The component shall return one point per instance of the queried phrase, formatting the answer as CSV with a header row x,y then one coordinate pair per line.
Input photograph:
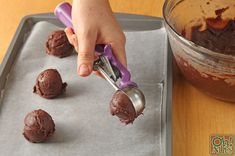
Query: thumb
x,y
86,55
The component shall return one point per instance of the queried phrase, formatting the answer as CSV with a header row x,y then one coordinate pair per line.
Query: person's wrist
x,y
99,2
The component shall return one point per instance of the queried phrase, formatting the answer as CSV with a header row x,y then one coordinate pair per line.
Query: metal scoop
x,y
108,65
112,70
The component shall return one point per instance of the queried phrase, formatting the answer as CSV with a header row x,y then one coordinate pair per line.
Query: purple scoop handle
x,y
125,74
63,13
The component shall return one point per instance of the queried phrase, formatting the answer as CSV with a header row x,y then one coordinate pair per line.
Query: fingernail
x,y
84,70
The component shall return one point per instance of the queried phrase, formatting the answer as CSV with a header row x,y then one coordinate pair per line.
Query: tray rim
x,y
7,63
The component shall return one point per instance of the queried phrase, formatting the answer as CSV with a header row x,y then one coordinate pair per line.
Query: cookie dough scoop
x,y
113,71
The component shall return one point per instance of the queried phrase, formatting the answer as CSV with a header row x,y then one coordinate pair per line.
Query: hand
x,y
94,23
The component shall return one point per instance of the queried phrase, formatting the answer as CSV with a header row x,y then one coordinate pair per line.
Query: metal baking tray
x,y
11,140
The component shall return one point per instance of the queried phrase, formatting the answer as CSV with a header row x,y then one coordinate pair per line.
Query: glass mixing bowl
x,y
212,72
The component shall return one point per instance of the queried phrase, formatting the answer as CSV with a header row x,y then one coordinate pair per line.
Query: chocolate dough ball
x,y
122,107
39,126
49,84
58,44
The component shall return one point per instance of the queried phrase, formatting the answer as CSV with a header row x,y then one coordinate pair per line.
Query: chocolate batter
x,y
58,44
218,35
122,107
39,126
49,84
222,88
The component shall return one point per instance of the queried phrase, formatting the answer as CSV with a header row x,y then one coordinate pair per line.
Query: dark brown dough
x,y
122,107
58,44
49,84
39,126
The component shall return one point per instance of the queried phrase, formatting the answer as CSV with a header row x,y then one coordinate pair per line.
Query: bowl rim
x,y
199,49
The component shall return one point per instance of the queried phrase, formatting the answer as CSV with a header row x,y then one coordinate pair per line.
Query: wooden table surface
x,y
195,116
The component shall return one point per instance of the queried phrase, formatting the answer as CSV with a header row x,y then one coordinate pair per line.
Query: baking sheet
x,y
84,125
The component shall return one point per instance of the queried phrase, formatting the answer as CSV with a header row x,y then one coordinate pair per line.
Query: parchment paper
x,y
84,126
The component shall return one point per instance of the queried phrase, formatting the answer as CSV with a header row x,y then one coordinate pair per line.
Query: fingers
x,y
86,53
86,56
75,42
69,32
72,37
119,52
